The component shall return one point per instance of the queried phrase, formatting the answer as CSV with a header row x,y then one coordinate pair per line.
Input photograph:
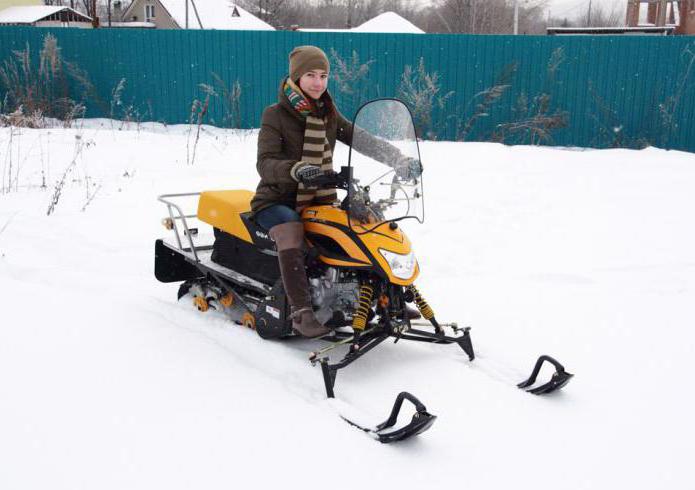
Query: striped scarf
x,y
316,150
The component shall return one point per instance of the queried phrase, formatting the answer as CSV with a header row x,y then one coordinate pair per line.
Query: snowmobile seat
x,y
223,209
240,244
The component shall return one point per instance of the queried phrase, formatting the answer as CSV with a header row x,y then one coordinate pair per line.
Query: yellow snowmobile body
x,y
327,230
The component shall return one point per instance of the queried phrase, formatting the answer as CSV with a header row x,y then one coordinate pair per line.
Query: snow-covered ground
x,y
107,382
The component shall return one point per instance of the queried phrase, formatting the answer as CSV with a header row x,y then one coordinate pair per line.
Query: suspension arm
x,y
464,341
330,371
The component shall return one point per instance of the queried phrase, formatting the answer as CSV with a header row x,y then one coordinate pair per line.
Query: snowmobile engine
x,y
335,294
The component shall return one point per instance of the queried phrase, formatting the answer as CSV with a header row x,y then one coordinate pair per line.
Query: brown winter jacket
x,y
280,144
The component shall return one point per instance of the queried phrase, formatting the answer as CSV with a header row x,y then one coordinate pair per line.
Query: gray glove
x,y
408,168
308,173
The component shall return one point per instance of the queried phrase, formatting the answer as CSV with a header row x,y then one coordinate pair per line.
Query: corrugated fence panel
x,y
613,90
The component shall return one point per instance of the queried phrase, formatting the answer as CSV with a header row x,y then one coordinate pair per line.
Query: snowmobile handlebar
x,y
333,180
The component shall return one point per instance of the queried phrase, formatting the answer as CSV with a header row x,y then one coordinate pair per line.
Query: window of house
x,y
149,13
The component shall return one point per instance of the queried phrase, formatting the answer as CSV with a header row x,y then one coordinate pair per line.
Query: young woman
x,y
295,145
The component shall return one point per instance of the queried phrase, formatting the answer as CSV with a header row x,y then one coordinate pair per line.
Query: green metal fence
x,y
598,91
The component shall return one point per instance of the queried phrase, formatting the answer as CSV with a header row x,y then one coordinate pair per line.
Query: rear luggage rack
x,y
166,199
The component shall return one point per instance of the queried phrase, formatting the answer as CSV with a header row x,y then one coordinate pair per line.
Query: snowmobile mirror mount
x,y
559,378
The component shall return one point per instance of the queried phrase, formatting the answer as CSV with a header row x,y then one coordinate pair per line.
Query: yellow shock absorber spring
x,y
422,305
359,321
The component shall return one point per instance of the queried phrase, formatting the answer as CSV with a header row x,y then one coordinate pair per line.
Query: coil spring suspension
x,y
359,321
422,305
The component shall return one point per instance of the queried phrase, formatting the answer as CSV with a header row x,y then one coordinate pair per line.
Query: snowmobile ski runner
x,y
360,265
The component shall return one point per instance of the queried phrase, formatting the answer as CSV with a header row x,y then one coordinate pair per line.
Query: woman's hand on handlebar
x,y
307,173
311,175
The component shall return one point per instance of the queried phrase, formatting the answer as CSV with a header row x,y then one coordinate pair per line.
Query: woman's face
x,y
314,83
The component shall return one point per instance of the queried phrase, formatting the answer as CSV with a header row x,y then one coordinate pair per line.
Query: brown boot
x,y
305,323
289,240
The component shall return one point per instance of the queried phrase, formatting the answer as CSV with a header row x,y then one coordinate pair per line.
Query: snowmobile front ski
x,y
359,345
559,378
421,421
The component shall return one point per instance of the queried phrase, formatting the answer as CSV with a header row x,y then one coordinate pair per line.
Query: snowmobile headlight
x,y
402,266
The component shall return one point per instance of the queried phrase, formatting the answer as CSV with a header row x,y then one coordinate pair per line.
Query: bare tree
x,y
603,16
269,11
338,14
486,16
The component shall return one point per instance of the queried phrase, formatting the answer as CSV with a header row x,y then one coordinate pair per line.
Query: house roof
x,y
214,14
389,22
30,14
386,22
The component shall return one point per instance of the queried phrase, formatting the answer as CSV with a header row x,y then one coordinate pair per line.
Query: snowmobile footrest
x,y
559,379
421,421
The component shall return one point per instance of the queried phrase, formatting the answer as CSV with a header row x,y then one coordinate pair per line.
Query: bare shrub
x,y
90,197
7,168
119,110
486,99
3,228
536,118
351,76
116,98
668,123
198,112
230,96
21,120
58,189
43,90
420,90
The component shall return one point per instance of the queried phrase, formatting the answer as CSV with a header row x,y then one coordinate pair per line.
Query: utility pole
x,y
186,14
516,17
588,16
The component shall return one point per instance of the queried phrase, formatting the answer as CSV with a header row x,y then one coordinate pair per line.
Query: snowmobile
x,y
360,264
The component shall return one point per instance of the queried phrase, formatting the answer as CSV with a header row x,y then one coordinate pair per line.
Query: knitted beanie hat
x,y
306,58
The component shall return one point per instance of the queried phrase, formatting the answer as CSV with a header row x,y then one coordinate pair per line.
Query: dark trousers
x,y
276,215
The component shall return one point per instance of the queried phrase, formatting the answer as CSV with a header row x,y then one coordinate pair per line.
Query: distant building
x,y
196,14
663,17
44,16
660,13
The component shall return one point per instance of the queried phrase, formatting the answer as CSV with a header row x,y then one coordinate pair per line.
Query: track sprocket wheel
x,y
200,303
249,321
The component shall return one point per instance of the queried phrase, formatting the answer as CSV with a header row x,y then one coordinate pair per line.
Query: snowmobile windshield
x,y
385,166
